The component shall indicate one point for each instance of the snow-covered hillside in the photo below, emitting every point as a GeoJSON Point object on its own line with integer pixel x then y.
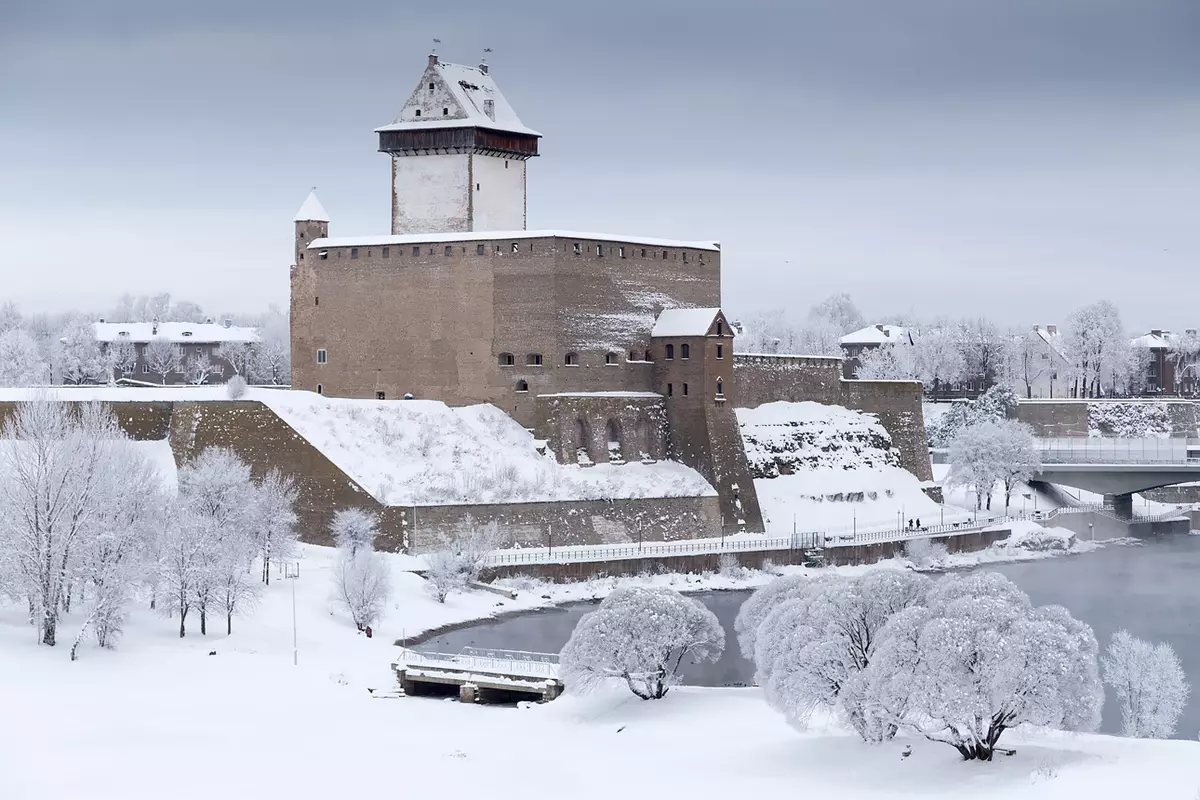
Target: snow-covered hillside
{"type": "Point", "coordinates": [821, 467]}
{"type": "Point", "coordinates": [423, 452]}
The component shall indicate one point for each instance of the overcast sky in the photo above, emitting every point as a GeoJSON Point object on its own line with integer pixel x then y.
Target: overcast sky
{"type": "Point", "coordinates": [1014, 157]}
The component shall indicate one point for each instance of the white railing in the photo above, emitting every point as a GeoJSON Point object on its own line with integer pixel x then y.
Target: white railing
{"type": "Point", "coordinates": [516, 663]}
{"type": "Point", "coordinates": [1114, 450]}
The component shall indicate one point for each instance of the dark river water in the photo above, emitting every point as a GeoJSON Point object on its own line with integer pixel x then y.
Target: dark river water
{"type": "Point", "coordinates": [1152, 590]}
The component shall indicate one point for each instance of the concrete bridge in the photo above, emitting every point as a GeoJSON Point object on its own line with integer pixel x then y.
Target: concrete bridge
{"type": "Point", "coordinates": [1117, 467]}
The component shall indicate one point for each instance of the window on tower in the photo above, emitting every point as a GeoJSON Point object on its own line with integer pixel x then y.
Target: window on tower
{"type": "Point", "coordinates": [322, 357]}
{"type": "Point", "coordinates": [431, 87]}
{"type": "Point", "coordinates": [387, 252]}
{"type": "Point", "coordinates": [416, 251]}
{"type": "Point", "coordinates": [577, 248]}
{"type": "Point", "coordinates": [354, 252]}
{"type": "Point", "coordinates": [323, 255]}
{"type": "Point", "coordinates": [478, 249]}
{"type": "Point", "coordinates": [448, 250]}
{"type": "Point", "coordinates": [418, 112]}
{"type": "Point", "coordinates": [445, 111]}
{"type": "Point", "coordinates": [685, 351]}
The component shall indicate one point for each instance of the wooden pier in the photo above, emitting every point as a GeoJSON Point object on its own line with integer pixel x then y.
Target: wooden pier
{"type": "Point", "coordinates": [480, 675]}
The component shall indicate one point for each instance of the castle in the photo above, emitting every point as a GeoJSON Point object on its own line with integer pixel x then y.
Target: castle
{"type": "Point", "coordinates": [609, 347]}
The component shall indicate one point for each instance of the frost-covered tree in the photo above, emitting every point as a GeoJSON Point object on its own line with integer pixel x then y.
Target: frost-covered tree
{"type": "Point", "coordinates": [216, 489]}
{"type": "Point", "coordinates": [1150, 685]}
{"type": "Point", "coordinates": [272, 362]}
{"type": "Point", "coordinates": [236, 387]}
{"type": "Point", "coordinates": [888, 362]}
{"type": "Point", "coordinates": [273, 520]}
{"type": "Point", "coordinates": [121, 356]}
{"type": "Point", "coordinates": [20, 362]}
{"type": "Point", "coordinates": [758, 605]}
{"type": "Point", "coordinates": [10, 316]}
{"type": "Point", "coordinates": [815, 647]}
{"type": "Point", "coordinates": [161, 356]}
{"type": "Point", "coordinates": [984, 351]}
{"type": "Point", "coordinates": [240, 356]}
{"type": "Point", "coordinates": [975, 461]}
{"type": "Point", "coordinates": [79, 359]}
{"type": "Point", "coordinates": [1095, 341]}
{"type": "Point", "coordinates": [976, 659]}
{"type": "Point", "coordinates": [937, 356]}
{"type": "Point", "coordinates": [460, 559]}
{"type": "Point", "coordinates": [181, 561]}
{"type": "Point", "coordinates": [53, 464]}
{"type": "Point", "coordinates": [113, 555]}
{"type": "Point", "coordinates": [640, 635]}
{"type": "Point", "coordinates": [362, 585]}
{"type": "Point", "coordinates": [354, 529]}
{"type": "Point", "coordinates": [996, 404]}
{"type": "Point", "coordinates": [1017, 458]}
{"type": "Point", "coordinates": [198, 368]}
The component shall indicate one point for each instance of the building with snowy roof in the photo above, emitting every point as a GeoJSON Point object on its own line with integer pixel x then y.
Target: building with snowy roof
{"type": "Point", "coordinates": [1169, 362]}
{"type": "Point", "coordinates": [855, 343]}
{"type": "Point", "coordinates": [190, 352]}
{"type": "Point", "coordinates": [606, 345]}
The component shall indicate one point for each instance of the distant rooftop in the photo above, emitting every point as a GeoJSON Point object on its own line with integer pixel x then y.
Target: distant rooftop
{"type": "Point", "coordinates": [878, 334]}
{"type": "Point", "coordinates": [685, 322]}
{"type": "Point", "coordinates": [205, 332]}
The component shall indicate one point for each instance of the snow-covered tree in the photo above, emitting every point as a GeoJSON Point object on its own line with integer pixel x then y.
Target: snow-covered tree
{"type": "Point", "coordinates": [1149, 683]}
{"type": "Point", "coordinates": [198, 368]}
{"type": "Point", "coordinates": [20, 362]}
{"type": "Point", "coordinates": [1017, 458]}
{"type": "Point", "coordinates": [236, 387]}
{"type": "Point", "coordinates": [837, 312]}
{"type": "Point", "coordinates": [272, 362]}
{"type": "Point", "coordinates": [362, 585]}
{"type": "Point", "coordinates": [79, 359]}
{"type": "Point", "coordinates": [998, 403]}
{"type": "Point", "coordinates": [113, 555]}
{"type": "Point", "coordinates": [53, 465]}
{"type": "Point", "coordinates": [984, 351]}
{"type": "Point", "coordinates": [273, 520]}
{"type": "Point", "coordinates": [181, 561]}
{"type": "Point", "coordinates": [977, 659]}
{"type": "Point", "coordinates": [937, 356]}
{"type": "Point", "coordinates": [240, 356]}
{"type": "Point", "coordinates": [161, 356]}
{"type": "Point", "coordinates": [10, 316]}
{"type": "Point", "coordinates": [758, 605]}
{"type": "Point", "coordinates": [216, 489]}
{"type": "Point", "coordinates": [460, 559]}
{"type": "Point", "coordinates": [354, 529]}
{"type": "Point", "coordinates": [640, 635]}
{"type": "Point", "coordinates": [121, 356]}
{"type": "Point", "coordinates": [814, 647]}
{"type": "Point", "coordinates": [887, 362]}
{"type": "Point", "coordinates": [1097, 345]}
{"type": "Point", "coordinates": [975, 460]}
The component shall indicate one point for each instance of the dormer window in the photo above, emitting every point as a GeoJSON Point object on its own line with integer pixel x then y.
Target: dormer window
{"type": "Point", "coordinates": [122, 333]}
{"type": "Point", "coordinates": [187, 333]}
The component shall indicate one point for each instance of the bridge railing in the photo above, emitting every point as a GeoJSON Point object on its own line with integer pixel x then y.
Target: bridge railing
{"type": "Point", "coordinates": [1115, 450]}
{"type": "Point", "coordinates": [492, 662]}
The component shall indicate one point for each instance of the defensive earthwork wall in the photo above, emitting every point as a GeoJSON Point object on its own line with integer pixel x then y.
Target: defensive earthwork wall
{"type": "Point", "coordinates": [1051, 418]}
{"type": "Point", "coordinates": [261, 438]}
{"type": "Point", "coordinates": [767, 378]}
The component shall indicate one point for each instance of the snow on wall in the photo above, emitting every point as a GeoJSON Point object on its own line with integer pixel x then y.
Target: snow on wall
{"type": "Point", "coordinates": [499, 193]}
{"type": "Point", "coordinates": [1134, 420]}
{"type": "Point", "coordinates": [423, 452]}
{"type": "Point", "coordinates": [429, 193]}
{"type": "Point", "coordinates": [822, 468]}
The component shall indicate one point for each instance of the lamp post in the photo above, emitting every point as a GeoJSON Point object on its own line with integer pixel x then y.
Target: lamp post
{"type": "Point", "coordinates": [292, 573]}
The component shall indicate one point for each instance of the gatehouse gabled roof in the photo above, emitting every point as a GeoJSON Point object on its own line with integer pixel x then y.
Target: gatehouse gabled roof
{"type": "Point", "coordinates": [681, 322]}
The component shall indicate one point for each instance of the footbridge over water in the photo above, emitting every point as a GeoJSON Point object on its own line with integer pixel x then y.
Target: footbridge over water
{"type": "Point", "coordinates": [1118, 467]}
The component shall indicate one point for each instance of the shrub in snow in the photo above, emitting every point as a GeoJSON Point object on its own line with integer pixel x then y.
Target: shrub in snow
{"type": "Point", "coordinates": [444, 575]}
{"type": "Point", "coordinates": [926, 554]}
{"type": "Point", "coordinates": [758, 605]}
{"type": "Point", "coordinates": [1137, 420]}
{"type": "Point", "coordinates": [977, 659]}
{"type": "Point", "coordinates": [996, 404]}
{"type": "Point", "coordinates": [729, 567]}
{"type": "Point", "coordinates": [1150, 685]}
{"type": "Point", "coordinates": [1041, 540]}
{"type": "Point", "coordinates": [812, 649]}
{"type": "Point", "coordinates": [354, 529]}
{"type": "Point", "coordinates": [640, 635]}
{"type": "Point", "coordinates": [362, 585]}
{"type": "Point", "coordinates": [236, 388]}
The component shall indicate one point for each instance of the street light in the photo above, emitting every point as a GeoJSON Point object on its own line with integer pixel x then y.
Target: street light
{"type": "Point", "coordinates": [292, 573]}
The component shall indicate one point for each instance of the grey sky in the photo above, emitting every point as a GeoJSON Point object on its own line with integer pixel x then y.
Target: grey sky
{"type": "Point", "coordinates": [1016, 157]}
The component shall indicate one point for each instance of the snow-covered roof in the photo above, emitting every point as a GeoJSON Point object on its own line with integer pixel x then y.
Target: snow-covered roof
{"type": "Point", "coordinates": [1155, 340]}
{"type": "Point", "coordinates": [684, 322]}
{"type": "Point", "coordinates": [1052, 339]}
{"type": "Point", "coordinates": [471, 89]}
{"type": "Point", "coordinates": [312, 210]}
{"type": "Point", "coordinates": [878, 334]}
{"type": "Point", "coordinates": [488, 236]}
{"type": "Point", "coordinates": [644, 395]}
{"type": "Point", "coordinates": [174, 332]}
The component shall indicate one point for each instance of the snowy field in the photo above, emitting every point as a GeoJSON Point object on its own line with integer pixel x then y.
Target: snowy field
{"type": "Point", "coordinates": [844, 472]}
{"type": "Point", "coordinates": [160, 717]}
{"type": "Point", "coordinates": [423, 452]}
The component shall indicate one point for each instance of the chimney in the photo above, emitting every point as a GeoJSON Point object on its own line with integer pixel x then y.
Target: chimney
{"type": "Point", "coordinates": [208, 320]}
{"type": "Point", "coordinates": [880, 329]}
{"type": "Point", "coordinates": [1156, 332]}
{"type": "Point", "coordinates": [1052, 330]}
{"type": "Point", "coordinates": [101, 319]}
{"type": "Point", "coordinates": [227, 322]}
{"type": "Point", "coordinates": [483, 68]}
{"type": "Point", "coordinates": [433, 62]}
{"type": "Point", "coordinates": [1188, 331]}
{"type": "Point", "coordinates": [154, 326]}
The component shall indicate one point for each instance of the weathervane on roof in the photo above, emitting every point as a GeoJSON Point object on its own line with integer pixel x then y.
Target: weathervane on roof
{"type": "Point", "coordinates": [436, 42]}
{"type": "Point", "coordinates": [486, 50]}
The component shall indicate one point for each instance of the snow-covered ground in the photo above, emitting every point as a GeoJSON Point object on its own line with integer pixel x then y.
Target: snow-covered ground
{"type": "Point", "coordinates": [844, 472]}
{"type": "Point", "coordinates": [423, 452]}
{"type": "Point", "coordinates": [161, 717]}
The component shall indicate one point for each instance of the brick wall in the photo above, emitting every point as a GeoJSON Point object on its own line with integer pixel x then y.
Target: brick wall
{"type": "Point", "coordinates": [1055, 418]}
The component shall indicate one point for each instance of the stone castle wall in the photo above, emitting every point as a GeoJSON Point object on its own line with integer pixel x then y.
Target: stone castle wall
{"type": "Point", "coordinates": [1070, 417]}
{"type": "Point", "coordinates": [571, 423]}
{"type": "Point", "coordinates": [435, 319]}
{"type": "Point", "coordinates": [898, 404]}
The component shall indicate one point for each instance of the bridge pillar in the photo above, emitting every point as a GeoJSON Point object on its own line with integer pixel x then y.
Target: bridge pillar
{"type": "Point", "coordinates": [1122, 504]}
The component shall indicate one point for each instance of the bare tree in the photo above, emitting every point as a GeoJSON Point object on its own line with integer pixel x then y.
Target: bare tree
{"type": "Point", "coordinates": [161, 356]}
{"type": "Point", "coordinates": [199, 368]}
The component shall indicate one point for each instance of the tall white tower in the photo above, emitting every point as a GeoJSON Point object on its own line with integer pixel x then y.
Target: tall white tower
{"type": "Point", "coordinates": [458, 155]}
